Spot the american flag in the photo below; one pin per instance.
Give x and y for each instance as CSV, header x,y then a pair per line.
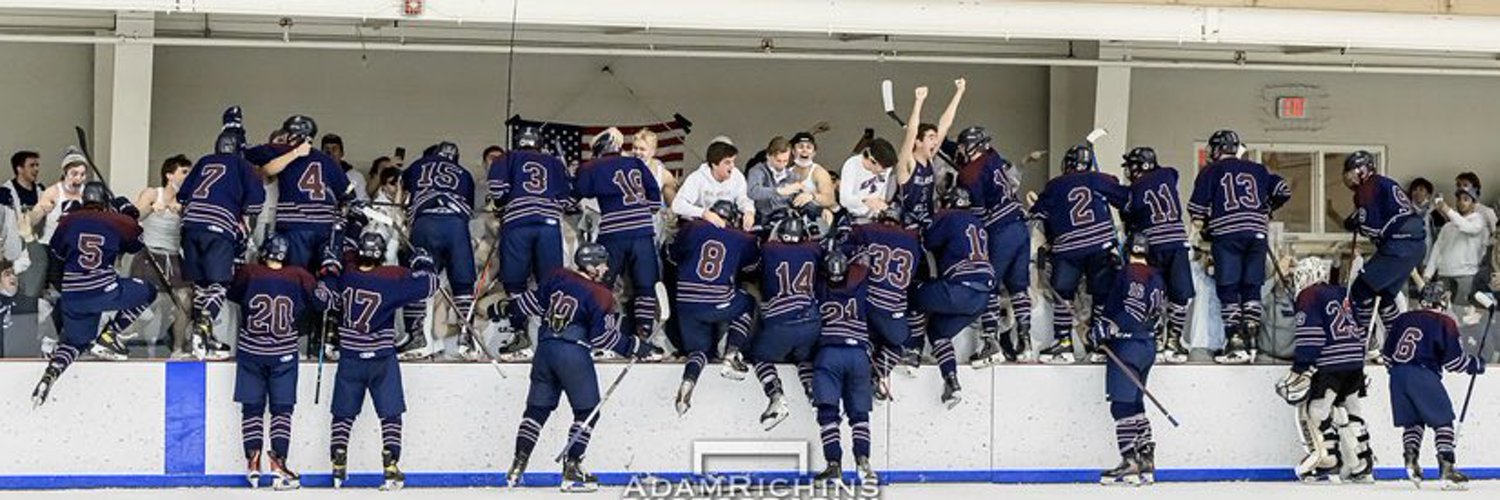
x,y
572,141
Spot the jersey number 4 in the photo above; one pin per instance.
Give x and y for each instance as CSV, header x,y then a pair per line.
x,y
311,182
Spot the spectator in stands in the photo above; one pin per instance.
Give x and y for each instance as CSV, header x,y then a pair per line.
x,y
717,179
161,231
1420,190
864,181
772,184
1471,181
334,146
1459,249
25,192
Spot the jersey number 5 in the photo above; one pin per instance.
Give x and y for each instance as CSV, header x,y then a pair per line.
x,y
90,251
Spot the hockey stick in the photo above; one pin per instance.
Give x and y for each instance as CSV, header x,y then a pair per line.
x,y
83,146
1488,301
448,299
1136,380
888,98
334,238
574,437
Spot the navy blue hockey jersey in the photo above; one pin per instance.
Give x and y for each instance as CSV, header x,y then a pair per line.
x,y
845,310
1327,335
891,254
576,309
916,196
533,187
990,189
219,192
1428,339
308,190
1155,209
370,302
961,246
708,258
1384,212
1074,210
1235,198
88,242
436,186
627,193
788,271
1137,302
270,302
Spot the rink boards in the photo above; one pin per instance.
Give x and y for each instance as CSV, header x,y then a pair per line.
x,y
175,424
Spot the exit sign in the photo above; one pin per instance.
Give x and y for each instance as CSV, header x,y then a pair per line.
x,y
1291,108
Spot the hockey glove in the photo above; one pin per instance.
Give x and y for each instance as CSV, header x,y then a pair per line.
x,y
1473,365
331,268
1351,223
421,261
1293,388
234,117
124,206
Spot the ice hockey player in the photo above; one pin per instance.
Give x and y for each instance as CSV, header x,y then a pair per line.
x,y
708,259
1327,379
271,295
87,241
841,368
578,316
629,198
993,182
309,190
1074,210
1127,326
1383,213
1232,202
943,307
1154,211
439,205
369,295
220,198
916,173
891,254
1423,343
529,190
789,322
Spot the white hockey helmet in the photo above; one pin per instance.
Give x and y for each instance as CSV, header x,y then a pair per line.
x,y
1310,270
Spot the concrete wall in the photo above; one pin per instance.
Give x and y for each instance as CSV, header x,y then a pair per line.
x,y
1018,423
45,90
1435,127
380,100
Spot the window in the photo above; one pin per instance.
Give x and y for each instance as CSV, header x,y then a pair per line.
x,y
1320,202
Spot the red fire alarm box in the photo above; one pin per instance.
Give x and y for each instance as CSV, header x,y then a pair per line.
x,y
1291,108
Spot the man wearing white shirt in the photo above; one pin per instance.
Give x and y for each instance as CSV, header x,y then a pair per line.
x,y
863,182
718,179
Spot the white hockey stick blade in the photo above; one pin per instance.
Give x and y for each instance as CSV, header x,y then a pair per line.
x,y
663,306
888,96
1097,134
1484,300
377,216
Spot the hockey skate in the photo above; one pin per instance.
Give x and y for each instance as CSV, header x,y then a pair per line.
x,y
952,392
776,412
911,361
394,478
1412,458
1453,480
988,354
1146,457
1170,349
44,386
1060,353
833,473
415,348
108,346
1024,353
340,467
205,346
577,480
1236,352
468,347
252,469
517,469
684,397
1127,473
1364,473
285,478
519,349
734,364
883,390
867,474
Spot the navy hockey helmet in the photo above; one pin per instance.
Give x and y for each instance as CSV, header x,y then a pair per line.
x,y
1080,158
301,128
726,210
528,137
371,247
589,255
1140,160
1362,161
275,248
607,142
1224,143
893,215
792,230
95,193
230,141
957,197
972,140
1434,295
446,150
